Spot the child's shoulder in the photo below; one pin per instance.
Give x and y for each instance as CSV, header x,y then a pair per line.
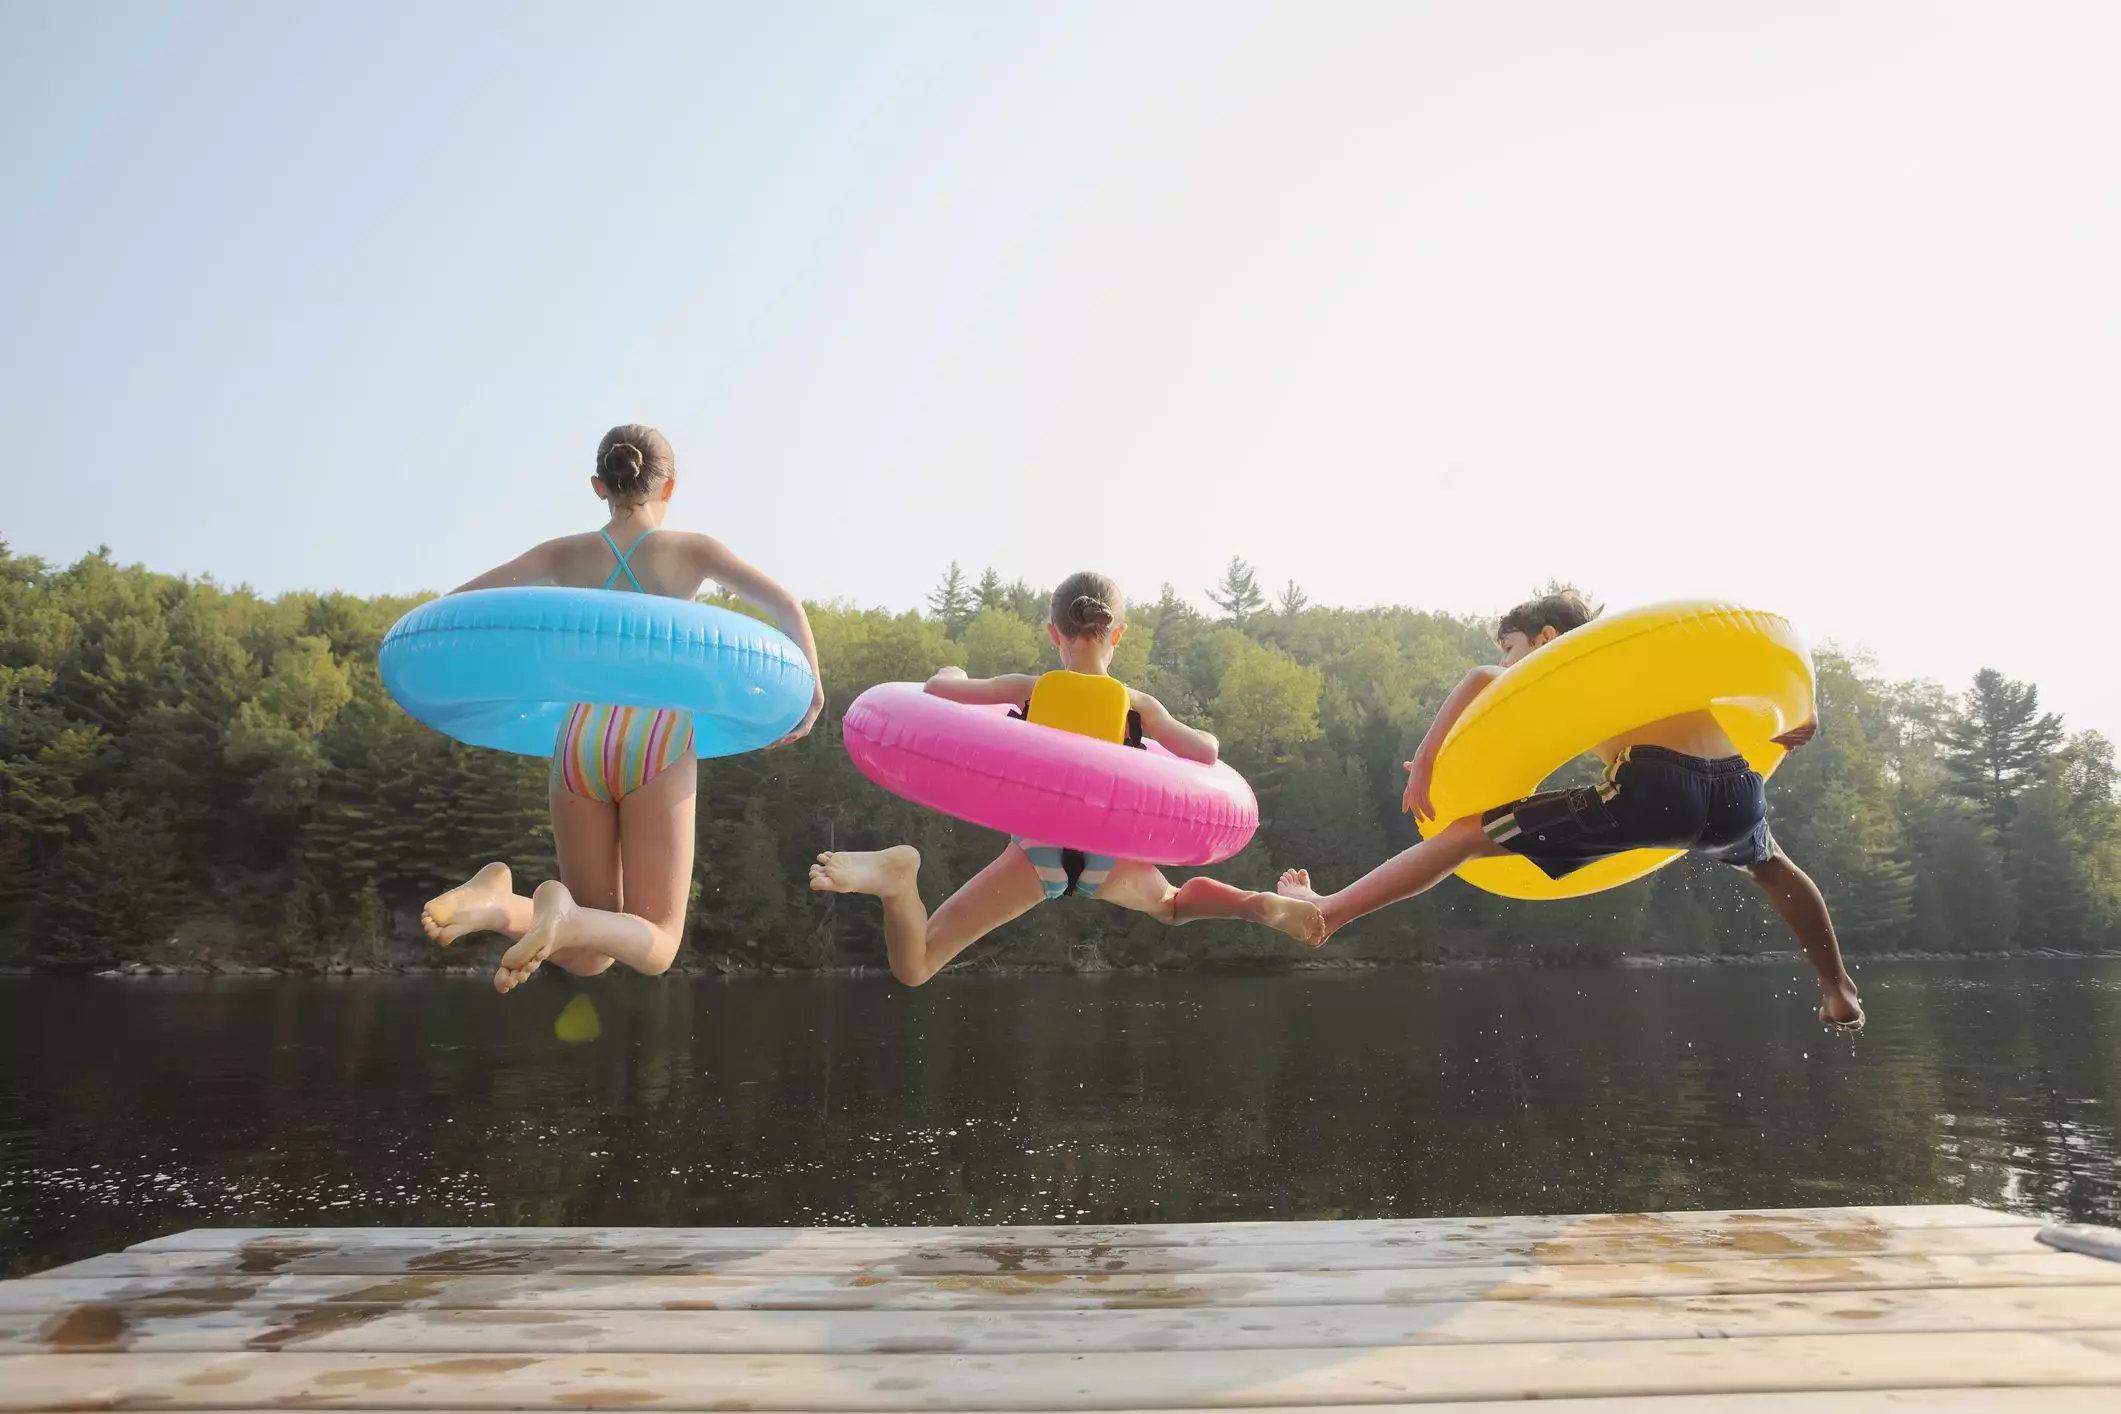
x,y
1140,701
695,546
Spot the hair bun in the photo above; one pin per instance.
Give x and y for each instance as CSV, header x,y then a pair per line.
x,y
632,459
1086,605
1090,612
622,467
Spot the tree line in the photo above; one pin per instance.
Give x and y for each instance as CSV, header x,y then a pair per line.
x,y
190,771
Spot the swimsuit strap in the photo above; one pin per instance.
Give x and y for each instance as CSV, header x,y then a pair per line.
x,y
623,567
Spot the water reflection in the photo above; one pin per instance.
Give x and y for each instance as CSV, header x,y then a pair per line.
x,y
131,1109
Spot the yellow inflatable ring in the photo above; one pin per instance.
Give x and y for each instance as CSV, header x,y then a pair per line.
x,y
1614,675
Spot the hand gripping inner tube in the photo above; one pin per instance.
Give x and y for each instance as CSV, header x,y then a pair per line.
x,y
1055,787
500,667
1614,675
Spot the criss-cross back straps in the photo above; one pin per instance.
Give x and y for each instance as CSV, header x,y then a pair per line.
x,y
623,567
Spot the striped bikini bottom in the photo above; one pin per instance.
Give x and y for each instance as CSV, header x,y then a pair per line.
x,y
1066,873
608,753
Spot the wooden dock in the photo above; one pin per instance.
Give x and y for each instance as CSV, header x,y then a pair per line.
x,y
1784,1312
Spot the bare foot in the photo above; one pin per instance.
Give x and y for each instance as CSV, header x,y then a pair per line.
x,y
1841,1009
1296,883
881,872
552,915
1297,917
473,906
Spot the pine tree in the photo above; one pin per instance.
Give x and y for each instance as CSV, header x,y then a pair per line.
x,y
367,935
742,891
305,916
2055,908
1998,743
951,602
1963,900
1033,606
360,831
1239,594
2089,776
108,895
1293,600
992,593
473,807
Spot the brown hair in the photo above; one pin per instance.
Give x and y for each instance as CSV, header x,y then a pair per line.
x,y
1561,608
1086,605
632,459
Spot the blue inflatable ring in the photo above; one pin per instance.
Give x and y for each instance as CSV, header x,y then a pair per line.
x,y
500,667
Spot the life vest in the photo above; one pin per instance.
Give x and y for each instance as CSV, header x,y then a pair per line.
x,y
1087,704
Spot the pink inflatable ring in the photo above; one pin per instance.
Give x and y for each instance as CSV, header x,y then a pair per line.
x,y
982,765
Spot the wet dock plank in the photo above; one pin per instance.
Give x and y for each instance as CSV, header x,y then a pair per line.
x,y
1789,1312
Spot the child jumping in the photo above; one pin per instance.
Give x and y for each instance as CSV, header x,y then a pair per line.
x,y
1087,621
1675,784
623,778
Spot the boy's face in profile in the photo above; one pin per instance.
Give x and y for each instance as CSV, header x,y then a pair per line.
x,y
1515,644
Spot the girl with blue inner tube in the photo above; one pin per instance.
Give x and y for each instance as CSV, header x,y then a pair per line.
x,y
623,778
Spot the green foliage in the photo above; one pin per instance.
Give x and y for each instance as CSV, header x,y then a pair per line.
x,y
172,750
997,642
1265,701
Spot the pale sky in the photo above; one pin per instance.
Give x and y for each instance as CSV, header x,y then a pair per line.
x,y
1817,306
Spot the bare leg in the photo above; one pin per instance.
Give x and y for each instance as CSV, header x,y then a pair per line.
x,y
1143,888
487,902
585,835
653,873
1410,872
920,946
1793,895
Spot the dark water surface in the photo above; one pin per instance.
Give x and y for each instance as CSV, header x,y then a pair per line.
x,y
129,1109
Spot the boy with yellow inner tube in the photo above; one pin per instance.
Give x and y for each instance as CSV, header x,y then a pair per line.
x,y
1679,783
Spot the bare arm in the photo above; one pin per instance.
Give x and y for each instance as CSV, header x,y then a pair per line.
x,y
1186,743
952,685
533,566
1415,800
1471,686
719,563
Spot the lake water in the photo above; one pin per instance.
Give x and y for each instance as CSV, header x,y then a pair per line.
x,y
129,1109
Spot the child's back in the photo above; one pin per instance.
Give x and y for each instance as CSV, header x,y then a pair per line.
x,y
1689,734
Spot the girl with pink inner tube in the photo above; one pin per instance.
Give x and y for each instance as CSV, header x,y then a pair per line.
x,y
1087,622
